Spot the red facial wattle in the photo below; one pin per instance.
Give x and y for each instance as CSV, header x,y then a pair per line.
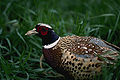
x,y
43,32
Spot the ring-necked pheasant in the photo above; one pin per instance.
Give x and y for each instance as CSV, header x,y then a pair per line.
x,y
75,57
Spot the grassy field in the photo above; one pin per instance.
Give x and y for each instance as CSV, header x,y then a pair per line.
x,y
19,55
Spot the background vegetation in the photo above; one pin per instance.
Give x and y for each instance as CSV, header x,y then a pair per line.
x,y
19,54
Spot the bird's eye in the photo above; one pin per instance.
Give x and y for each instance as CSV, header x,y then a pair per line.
x,y
42,29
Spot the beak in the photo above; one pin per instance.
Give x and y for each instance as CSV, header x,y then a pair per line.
x,y
31,32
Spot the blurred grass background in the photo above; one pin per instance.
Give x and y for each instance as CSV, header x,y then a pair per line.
x,y
19,55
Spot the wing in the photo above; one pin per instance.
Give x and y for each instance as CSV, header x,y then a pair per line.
x,y
109,51
89,47
103,43
83,56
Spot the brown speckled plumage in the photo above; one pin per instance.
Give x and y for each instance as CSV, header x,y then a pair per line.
x,y
77,56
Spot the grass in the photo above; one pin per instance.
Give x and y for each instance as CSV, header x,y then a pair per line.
x,y
19,55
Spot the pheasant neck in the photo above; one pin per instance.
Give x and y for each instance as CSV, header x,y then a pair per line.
x,y
50,40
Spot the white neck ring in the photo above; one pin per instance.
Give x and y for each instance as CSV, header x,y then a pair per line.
x,y
51,45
